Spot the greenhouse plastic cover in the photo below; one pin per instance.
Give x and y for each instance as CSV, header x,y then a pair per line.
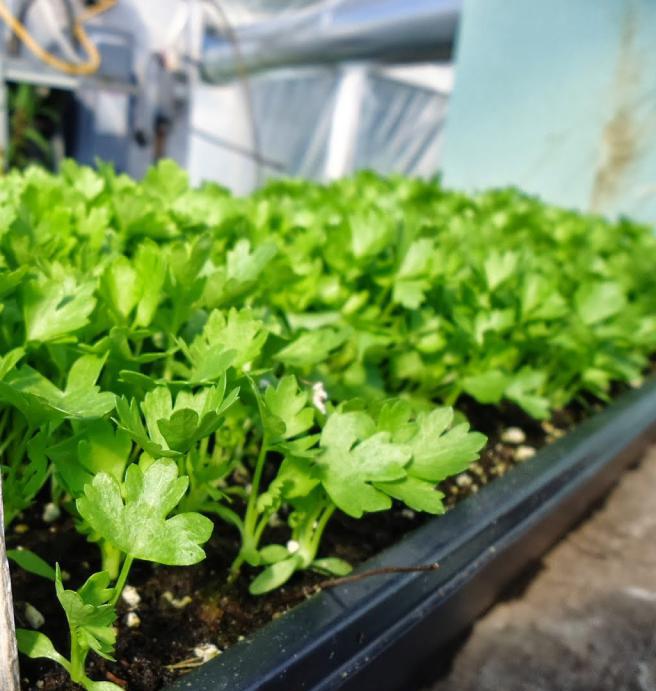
x,y
394,123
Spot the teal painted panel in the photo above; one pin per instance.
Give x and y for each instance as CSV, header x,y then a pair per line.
x,y
557,97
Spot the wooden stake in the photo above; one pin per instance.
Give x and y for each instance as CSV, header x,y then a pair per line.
x,y
8,653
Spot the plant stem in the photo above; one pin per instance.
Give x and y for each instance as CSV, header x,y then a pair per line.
x,y
122,578
78,659
110,559
321,526
251,507
259,529
250,534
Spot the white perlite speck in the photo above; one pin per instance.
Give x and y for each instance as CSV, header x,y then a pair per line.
x,y
513,435
132,620
293,546
51,513
463,480
34,618
523,453
131,597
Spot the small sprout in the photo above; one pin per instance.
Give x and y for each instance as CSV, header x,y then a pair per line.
x,y
202,653
177,602
513,435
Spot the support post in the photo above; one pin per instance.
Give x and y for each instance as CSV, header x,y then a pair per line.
x,y
8,653
346,121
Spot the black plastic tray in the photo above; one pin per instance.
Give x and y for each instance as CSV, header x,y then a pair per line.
x,y
380,632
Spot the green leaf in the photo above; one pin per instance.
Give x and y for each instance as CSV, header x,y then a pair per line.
x,y
137,524
90,685
596,302
286,404
488,387
415,493
32,563
499,267
194,416
235,340
332,566
37,645
438,454
89,614
130,421
9,361
39,399
525,388
355,456
56,308
121,286
273,553
104,449
311,348
150,265
274,576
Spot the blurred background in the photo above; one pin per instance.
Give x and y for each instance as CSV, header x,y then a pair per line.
x,y
236,91
558,97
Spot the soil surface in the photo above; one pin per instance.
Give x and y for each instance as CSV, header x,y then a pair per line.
x,y
587,620
183,610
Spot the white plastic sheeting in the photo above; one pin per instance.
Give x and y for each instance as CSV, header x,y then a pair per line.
x,y
316,122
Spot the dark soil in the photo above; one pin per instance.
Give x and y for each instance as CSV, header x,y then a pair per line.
x,y
208,610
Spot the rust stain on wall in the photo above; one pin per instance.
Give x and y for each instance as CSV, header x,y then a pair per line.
x,y
620,141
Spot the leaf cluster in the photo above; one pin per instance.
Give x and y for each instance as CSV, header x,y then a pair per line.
x,y
169,354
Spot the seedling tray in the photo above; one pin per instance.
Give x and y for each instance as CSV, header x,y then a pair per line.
x,y
385,631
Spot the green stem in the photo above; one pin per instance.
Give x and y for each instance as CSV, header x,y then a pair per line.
x,y
4,419
110,558
122,578
318,531
226,514
250,534
259,528
202,451
235,568
78,658
251,507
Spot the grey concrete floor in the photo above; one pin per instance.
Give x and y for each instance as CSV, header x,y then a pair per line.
x,y
587,620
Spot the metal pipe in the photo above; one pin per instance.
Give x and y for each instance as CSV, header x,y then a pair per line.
x,y
338,31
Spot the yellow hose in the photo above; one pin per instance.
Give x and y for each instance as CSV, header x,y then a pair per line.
x,y
93,62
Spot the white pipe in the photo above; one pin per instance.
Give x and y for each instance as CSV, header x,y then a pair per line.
x,y
339,31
